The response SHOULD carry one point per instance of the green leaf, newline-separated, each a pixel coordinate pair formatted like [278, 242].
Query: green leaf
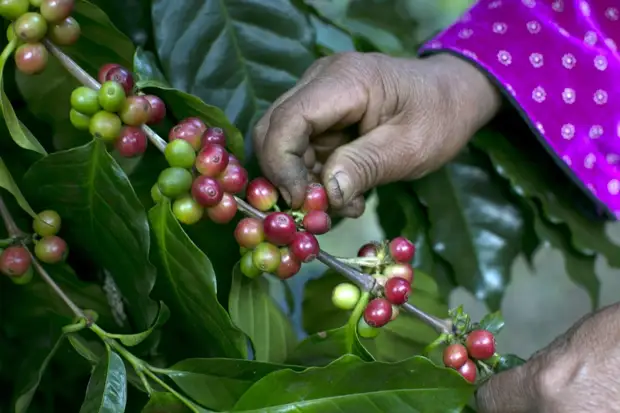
[102, 216]
[31, 373]
[47, 95]
[324, 347]
[132, 17]
[85, 348]
[131, 340]
[236, 55]
[507, 362]
[107, 388]
[7, 182]
[475, 225]
[20, 134]
[253, 310]
[493, 322]
[146, 67]
[219, 383]
[533, 174]
[350, 384]
[187, 284]
[160, 402]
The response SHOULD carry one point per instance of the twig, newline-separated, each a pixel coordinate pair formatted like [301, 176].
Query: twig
[365, 282]
[9, 223]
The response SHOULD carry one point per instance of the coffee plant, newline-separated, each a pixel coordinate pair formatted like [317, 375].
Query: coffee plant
[147, 266]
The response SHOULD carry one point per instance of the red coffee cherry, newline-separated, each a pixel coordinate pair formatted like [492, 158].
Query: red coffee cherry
[249, 233]
[261, 194]
[187, 132]
[279, 228]
[212, 160]
[455, 356]
[317, 222]
[123, 76]
[225, 211]
[397, 290]
[289, 265]
[378, 312]
[15, 261]
[480, 344]
[215, 136]
[158, 109]
[404, 271]
[316, 198]
[304, 246]
[234, 178]
[131, 142]
[196, 122]
[468, 371]
[402, 250]
[206, 191]
[368, 250]
[103, 71]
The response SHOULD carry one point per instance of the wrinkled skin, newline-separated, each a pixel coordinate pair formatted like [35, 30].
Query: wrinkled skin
[356, 121]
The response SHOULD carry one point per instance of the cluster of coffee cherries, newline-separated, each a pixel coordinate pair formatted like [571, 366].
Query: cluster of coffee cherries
[390, 264]
[479, 346]
[16, 261]
[113, 113]
[34, 20]
[283, 241]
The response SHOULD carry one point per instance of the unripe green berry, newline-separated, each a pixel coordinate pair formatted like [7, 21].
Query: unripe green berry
[174, 182]
[51, 249]
[112, 96]
[85, 100]
[345, 296]
[12, 9]
[247, 267]
[266, 257]
[105, 126]
[180, 153]
[30, 27]
[79, 120]
[25, 278]
[366, 331]
[65, 33]
[156, 194]
[47, 223]
[187, 210]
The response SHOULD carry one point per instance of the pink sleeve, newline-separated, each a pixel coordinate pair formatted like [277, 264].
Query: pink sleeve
[558, 61]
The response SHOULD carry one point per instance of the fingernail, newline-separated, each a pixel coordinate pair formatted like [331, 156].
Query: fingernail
[339, 189]
[285, 195]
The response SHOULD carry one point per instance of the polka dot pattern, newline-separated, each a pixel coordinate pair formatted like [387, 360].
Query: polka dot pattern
[559, 60]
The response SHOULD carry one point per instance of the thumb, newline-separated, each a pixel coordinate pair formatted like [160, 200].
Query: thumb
[371, 160]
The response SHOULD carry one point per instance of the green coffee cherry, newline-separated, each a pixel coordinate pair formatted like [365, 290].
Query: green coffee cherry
[156, 194]
[266, 257]
[187, 210]
[174, 182]
[47, 223]
[25, 278]
[105, 126]
[112, 96]
[30, 27]
[180, 153]
[85, 100]
[79, 120]
[247, 266]
[366, 331]
[12, 9]
[345, 296]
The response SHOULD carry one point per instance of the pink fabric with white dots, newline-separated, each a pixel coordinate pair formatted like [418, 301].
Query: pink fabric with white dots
[560, 62]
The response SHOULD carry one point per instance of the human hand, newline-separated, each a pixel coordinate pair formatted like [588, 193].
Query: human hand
[576, 373]
[410, 116]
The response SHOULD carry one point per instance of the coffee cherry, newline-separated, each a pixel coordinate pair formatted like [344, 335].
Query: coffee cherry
[131, 142]
[234, 178]
[316, 198]
[103, 71]
[345, 296]
[105, 126]
[304, 247]
[317, 222]
[31, 58]
[156, 194]
[215, 136]
[233, 159]
[289, 265]
[56, 10]
[85, 100]
[196, 122]
[468, 371]
[224, 211]
[51, 249]
[112, 96]
[247, 266]
[261, 194]
[158, 109]
[402, 250]
[368, 250]
[24, 278]
[378, 312]
[135, 111]
[47, 223]
[180, 153]
[123, 76]
[15, 261]
[187, 132]
[12, 9]
[480, 344]
[212, 160]
[174, 182]
[65, 33]
[404, 271]
[79, 120]
[187, 210]
[397, 290]
[207, 191]
[279, 228]
[249, 233]
[266, 257]
[366, 331]
[455, 356]
[30, 27]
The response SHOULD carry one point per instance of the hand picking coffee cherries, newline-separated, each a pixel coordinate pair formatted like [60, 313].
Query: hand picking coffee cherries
[479, 345]
[49, 19]
[49, 248]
